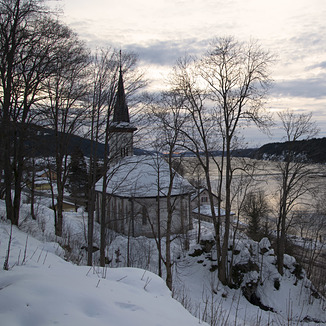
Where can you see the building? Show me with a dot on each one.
(121, 130)
(137, 189)
(201, 208)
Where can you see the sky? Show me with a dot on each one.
(162, 31)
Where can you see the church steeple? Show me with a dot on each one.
(121, 130)
(121, 112)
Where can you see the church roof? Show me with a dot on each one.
(121, 121)
(121, 112)
(137, 176)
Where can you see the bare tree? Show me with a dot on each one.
(64, 107)
(225, 87)
(200, 133)
(101, 70)
(168, 119)
(107, 66)
(293, 183)
(238, 79)
(28, 48)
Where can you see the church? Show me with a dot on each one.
(137, 186)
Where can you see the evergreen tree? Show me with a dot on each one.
(77, 175)
(256, 207)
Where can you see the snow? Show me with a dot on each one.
(197, 286)
(142, 176)
(42, 288)
(123, 124)
(206, 210)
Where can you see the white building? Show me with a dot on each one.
(137, 189)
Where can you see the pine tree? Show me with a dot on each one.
(256, 207)
(77, 176)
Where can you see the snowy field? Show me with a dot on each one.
(42, 288)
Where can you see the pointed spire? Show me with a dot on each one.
(121, 111)
(120, 62)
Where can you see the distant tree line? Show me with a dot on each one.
(312, 150)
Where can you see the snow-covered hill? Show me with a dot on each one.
(260, 295)
(42, 288)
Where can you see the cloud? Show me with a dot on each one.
(321, 65)
(309, 87)
(165, 53)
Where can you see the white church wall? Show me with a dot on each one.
(139, 216)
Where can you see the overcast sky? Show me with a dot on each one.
(160, 31)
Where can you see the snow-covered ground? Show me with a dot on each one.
(42, 288)
(196, 283)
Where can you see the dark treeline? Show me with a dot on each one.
(313, 150)
(41, 142)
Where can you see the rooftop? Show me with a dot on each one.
(143, 176)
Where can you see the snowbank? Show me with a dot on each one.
(41, 288)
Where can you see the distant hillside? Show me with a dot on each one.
(41, 142)
(245, 152)
(314, 149)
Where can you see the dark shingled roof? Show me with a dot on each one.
(121, 112)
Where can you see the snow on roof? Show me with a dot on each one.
(123, 125)
(195, 195)
(206, 210)
(143, 176)
(201, 190)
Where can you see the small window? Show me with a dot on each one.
(204, 199)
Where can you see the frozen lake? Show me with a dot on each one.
(264, 175)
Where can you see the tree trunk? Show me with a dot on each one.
(103, 226)
(18, 163)
(168, 263)
(59, 211)
(59, 219)
(59, 215)
(281, 232)
(33, 190)
(159, 226)
(223, 268)
(91, 198)
(199, 219)
(90, 228)
(103, 206)
(281, 239)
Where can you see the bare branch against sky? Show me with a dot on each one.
(162, 31)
